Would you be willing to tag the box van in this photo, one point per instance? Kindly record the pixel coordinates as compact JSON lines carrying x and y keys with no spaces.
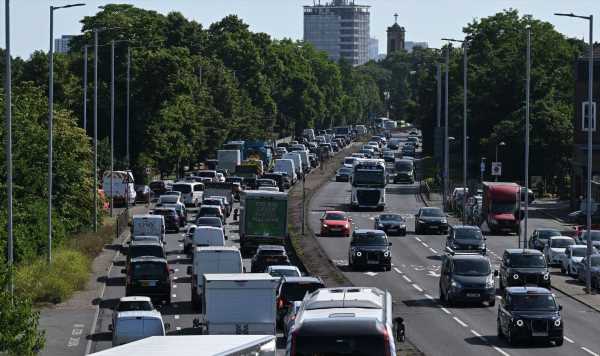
{"x":305,"y":160}
{"x":212,"y":259}
{"x":295,"y":156}
{"x":211,"y":174}
{"x":136,"y":325}
{"x":208,"y":236}
{"x":148,"y":225}
{"x":123,"y":187}
{"x":286,"y":165}
{"x":191,"y":192}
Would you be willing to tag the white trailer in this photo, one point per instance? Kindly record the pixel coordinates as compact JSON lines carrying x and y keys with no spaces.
{"x":123,"y":187}
{"x":240,"y":303}
{"x":229,"y":159}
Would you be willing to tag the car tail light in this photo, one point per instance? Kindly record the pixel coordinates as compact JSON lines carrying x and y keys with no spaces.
{"x":386,"y":342}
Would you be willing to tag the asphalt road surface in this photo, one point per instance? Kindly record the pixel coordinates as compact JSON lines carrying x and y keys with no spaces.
{"x":413,"y":283}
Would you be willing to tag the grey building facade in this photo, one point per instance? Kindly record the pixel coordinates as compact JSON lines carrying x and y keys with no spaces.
{"x":61,"y":45}
{"x":341,"y":28}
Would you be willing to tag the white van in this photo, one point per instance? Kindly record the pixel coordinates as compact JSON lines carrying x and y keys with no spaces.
{"x":286,"y":165}
{"x":208,"y":236}
{"x":213,"y":259}
{"x":148,"y":225}
{"x":136,"y":325}
{"x":123,"y":187}
{"x":191,"y":192}
{"x":295,"y":156}
{"x":305,"y":160}
{"x":309,"y":134}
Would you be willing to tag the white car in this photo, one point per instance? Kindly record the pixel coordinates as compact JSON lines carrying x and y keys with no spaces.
{"x":555,"y":248}
{"x":132,"y":304}
{"x":573,"y":255}
{"x":283,"y":271}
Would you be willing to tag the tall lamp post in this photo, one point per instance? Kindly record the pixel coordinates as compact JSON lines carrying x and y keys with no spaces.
{"x":446,"y":146}
{"x":499,"y":144}
{"x":527,"y":96}
{"x":51,"y":118}
{"x":465,"y":95}
{"x":8,"y":113}
{"x":590,"y":18}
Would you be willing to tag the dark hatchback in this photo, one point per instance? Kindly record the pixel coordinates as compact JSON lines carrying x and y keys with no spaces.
{"x":145,"y":248}
{"x":150,"y":277}
{"x":172,"y":219}
{"x":143,"y":194}
{"x":278,"y":178}
{"x":467,"y":278}
{"x":370,"y":248}
{"x":391,"y":224}
{"x":527,"y":313}
{"x":343,"y":174}
{"x":268,"y":255}
{"x":465,"y":238}
{"x":524,"y":267}
{"x":293,"y":289}
{"x":539,"y":238}
{"x":431,"y":219}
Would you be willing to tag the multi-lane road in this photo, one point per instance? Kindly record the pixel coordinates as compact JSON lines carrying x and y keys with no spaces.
{"x":413,"y":282}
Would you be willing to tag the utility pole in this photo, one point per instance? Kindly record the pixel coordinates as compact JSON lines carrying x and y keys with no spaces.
{"x":85,"y":79}
{"x":112,"y":124}
{"x":96,"y":130}
{"x":9,"y":165}
{"x":527,"y":95}
{"x":446,"y":143}
{"x":465,"y":71}
{"x":127,"y":108}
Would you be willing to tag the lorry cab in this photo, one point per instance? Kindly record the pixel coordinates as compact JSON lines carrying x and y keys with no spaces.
{"x":500,"y":206}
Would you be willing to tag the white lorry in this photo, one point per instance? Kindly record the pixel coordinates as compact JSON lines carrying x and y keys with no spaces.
{"x":295,"y":156}
{"x":228,"y":159}
{"x":212,"y":259}
{"x":286,"y":165}
{"x":148,"y":225}
{"x":239,"y":304}
{"x":123,"y":187}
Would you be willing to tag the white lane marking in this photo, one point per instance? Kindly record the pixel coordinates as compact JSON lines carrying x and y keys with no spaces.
{"x":180,"y":245}
{"x":174,"y":295}
{"x":428,"y":296}
{"x":433,"y":274}
{"x":175,"y":278}
{"x":424,"y":244}
{"x":589,"y":351}
{"x":397,"y":270}
{"x":504,"y":353}
{"x":372,"y":274}
{"x":176,"y":269}
{"x":415,"y":286}
{"x":433,"y":250}
{"x":407,"y":279}
{"x":446,"y":310}
{"x":418,"y":239}
{"x":174,"y":285}
{"x":568,"y":340}
{"x":176,"y":316}
{"x":460,"y":322}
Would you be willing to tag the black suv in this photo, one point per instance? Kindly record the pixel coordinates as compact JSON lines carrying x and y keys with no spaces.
{"x":465,"y":238}
{"x":150,"y":277}
{"x":145,"y":248}
{"x":523,"y":267}
{"x":370,"y":248}
{"x":467,"y":278}
{"x":431,"y":219}
{"x":526,"y":313}
{"x":268,"y":255}
{"x":391,"y":223}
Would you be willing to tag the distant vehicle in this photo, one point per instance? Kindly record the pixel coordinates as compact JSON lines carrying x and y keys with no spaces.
{"x":336,"y":223}
{"x":430,"y":219}
{"x":283,"y":271}
{"x":527,"y":313}
{"x":595,"y":271}
{"x":148,"y":225}
{"x":343,"y":174}
{"x":556,"y":247}
{"x":574,"y":254}
{"x":467,"y":278}
{"x":539,"y":238}
{"x":298,"y":165}
{"x":522,"y":267}
{"x":389,"y":156}
{"x":172,"y":220}
{"x":287,"y":166}
{"x":263,"y":220}
{"x":349,"y":161}
{"x":126,"y":304}
{"x":159,"y":187}
{"x":361,"y":130}
{"x":530,"y":193}
{"x":323,"y":316}
{"x":129,"y":326}
{"x":229,"y":159}
{"x":595,"y":237}
{"x":465,"y":238}
{"x":309,"y":134}
{"x":500,"y":206}
{"x":268,"y":255}
{"x":278,"y":178}
{"x":169,"y":197}
{"x":181,"y":212}
{"x":150,"y":277}
{"x":123,"y":187}
{"x":265,"y":182}
{"x":369,"y":248}
{"x":405,"y":171}
{"x":145,"y":248}
{"x":143,"y":194}
{"x":191,"y":192}
{"x":394,"y":143}
{"x":293,"y":289}
{"x":369,"y":179}
{"x":205,"y":236}
{"x":391,"y":224}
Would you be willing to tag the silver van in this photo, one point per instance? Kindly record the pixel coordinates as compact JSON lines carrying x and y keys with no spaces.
{"x":131,"y":326}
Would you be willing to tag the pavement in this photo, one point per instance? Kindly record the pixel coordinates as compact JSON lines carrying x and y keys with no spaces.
{"x":413,"y":283}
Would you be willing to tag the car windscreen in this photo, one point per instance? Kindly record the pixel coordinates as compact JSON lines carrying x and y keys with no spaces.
{"x":432,"y":213}
{"x":594,"y":234}
{"x":284,"y":273}
{"x":349,"y":161}
{"x":146,"y":250}
{"x":370,"y":239}
{"x":136,"y":305}
{"x":561,"y":243}
{"x":157,"y":185}
{"x":532,"y":302}
{"x":346,"y":170}
{"x":404,"y":166}
{"x":546,"y":234}
{"x":339,"y":345}
{"x":335,"y":216}
{"x":211,"y":202}
{"x":207,"y":174}
{"x":209,"y":221}
{"x":148,"y":270}
{"x":578,"y":252}
{"x":472,"y":267}
{"x":391,"y":217}
{"x":183,"y":188}
{"x":595,"y":261}
{"x":271,"y":252}
{"x":527,"y":261}
{"x":209,"y":211}
{"x":296,"y":291}
{"x":468,"y":234}
{"x":504,"y":208}
{"x":164,"y":212}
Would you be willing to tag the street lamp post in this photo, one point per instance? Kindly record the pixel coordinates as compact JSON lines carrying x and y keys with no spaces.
{"x":527,"y":96}
{"x":96,"y":31}
{"x":112,"y":124}
{"x":85,"y":83}
{"x":499,"y":144}
{"x":446,"y":146}
{"x":51,"y":119}
{"x":127,"y":107}
{"x":9,"y":169}
{"x":590,"y":18}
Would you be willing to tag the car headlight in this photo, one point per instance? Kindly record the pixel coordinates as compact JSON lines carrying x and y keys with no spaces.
{"x":516,"y":276}
{"x":444,"y":221}
{"x":324,"y":225}
{"x":386,"y":253}
{"x":489,"y":283}
{"x":520,"y":323}
{"x":557,"y":322}
{"x":456,"y":284}
{"x":546,"y":276}
{"x":358,"y":253}
{"x":421,"y":221}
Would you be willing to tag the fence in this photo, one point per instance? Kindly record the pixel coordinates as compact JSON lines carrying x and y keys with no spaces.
{"x":122,"y":222}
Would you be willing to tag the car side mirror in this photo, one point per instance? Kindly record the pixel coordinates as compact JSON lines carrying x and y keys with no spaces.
{"x":560,"y":307}
{"x":110,"y":327}
{"x":124,"y":271}
{"x":496,"y":273}
{"x":167,"y":326}
{"x":390,"y":244}
{"x":400,"y":329}
{"x":189,"y":270}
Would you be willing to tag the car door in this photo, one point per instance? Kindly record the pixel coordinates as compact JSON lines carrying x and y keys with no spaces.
{"x":503,"y":268}
{"x":533,"y":241}
{"x":445,"y":274}
{"x":503,"y":315}
{"x":449,"y":239}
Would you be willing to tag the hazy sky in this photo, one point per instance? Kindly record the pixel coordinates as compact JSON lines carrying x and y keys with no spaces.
{"x":424,"y":20}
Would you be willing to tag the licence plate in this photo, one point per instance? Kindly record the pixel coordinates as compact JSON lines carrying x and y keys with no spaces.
{"x":473,"y":295}
{"x":434,"y":227}
{"x":336,"y":229}
{"x":539,"y":333}
{"x":148,"y":283}
{"x":372,"y":262}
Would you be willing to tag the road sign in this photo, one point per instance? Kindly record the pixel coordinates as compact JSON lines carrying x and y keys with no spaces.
{"x":496,"y":168}
{"x":585,"y":114}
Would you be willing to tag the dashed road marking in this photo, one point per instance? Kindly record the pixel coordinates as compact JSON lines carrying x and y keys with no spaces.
{"x":178,"y":256}
{"x":372,"y":274}
{"x":433,"y":250}
{"x":174,"y":295}
{"x":407,"y":279}
{"x":500,"y":351}
{"x":176,"y":269}
{"x":397,"y":270}
{"x":568,"y":340}
{"x":415,"y":286}
{"x":433,"y":274}
{"x":174,"y":285}
{"x":177,"y":328}
{"x":460,"y":322}
{"x":429,"y":297}
{"x":589,"y":351}
{"x":446,"y":310}
{"x":418,"y":239}
{"x":424,"y":244}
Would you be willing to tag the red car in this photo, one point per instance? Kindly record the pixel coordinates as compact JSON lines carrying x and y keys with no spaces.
{"x":335,"y":223}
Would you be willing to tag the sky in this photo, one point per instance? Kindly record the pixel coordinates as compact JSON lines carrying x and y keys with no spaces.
{"x":424,"y":20}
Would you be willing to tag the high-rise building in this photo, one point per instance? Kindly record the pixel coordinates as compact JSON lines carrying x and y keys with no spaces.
{"x":395,"y":37}
{"x":373,"y":49}
{"x":61,"y":45}
{"x":340,"y":28}
{"x":410,"y":45}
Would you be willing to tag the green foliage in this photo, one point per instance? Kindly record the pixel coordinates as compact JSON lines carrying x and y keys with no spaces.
{"x":19,"y":323}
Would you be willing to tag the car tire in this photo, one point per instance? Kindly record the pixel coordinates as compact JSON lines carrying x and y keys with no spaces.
{"x":562,"y":269}
{"x":492,"y":302}
{"x":558,"y":342}
{"x":501,"y":284}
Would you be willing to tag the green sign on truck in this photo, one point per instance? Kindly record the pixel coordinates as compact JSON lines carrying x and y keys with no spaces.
{"x":263,"y":219}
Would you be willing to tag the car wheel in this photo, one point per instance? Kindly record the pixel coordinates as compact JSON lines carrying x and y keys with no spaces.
{"x":562,"y":269}
{"x":492,"y":302}
{"x":558,"y":342}
{"x":501,"y":284}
